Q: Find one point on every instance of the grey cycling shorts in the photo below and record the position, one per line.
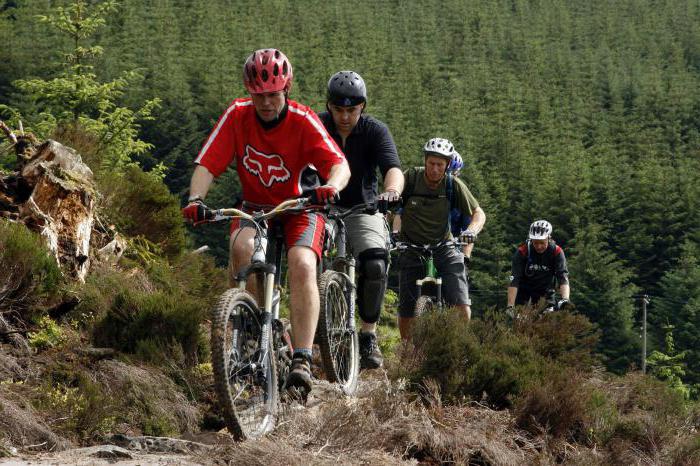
(366, 232)
(449, 263)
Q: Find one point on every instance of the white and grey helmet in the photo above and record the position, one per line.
(540, 229)
(440, 147)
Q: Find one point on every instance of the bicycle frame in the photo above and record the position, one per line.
(347, 262)
(269, 264)
(431, 278)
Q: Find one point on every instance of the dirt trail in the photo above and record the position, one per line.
(195, 449)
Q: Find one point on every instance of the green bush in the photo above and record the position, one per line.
(48, 335)
(139, 204)
(30, 273)
(81, 406)
(477, 359)
(156, 310)
(152, 323)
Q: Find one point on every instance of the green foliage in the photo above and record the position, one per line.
(156, 312)
(48, 334)
(679, 307)
(140, 205)
(30, 272)
(152, 323)
(75, 97)
(669, 366)
(602, 291)
(81, 406)
(584, 113)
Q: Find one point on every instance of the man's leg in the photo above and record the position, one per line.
(241, 246)
(411, 269)
(303, 238)
(449, 263)
(303, 291)
(368, 238)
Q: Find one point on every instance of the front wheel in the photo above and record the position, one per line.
(424, 305)
(245, 376)
(337, 338)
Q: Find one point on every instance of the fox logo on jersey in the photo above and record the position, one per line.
(268, 167)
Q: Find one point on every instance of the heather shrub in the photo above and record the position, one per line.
(569, 338)
(482, 360)
(154, 310)
(559, 406)
(139, 204)
(30, 274)
(158, 324)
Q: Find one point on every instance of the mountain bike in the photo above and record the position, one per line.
(337, 336)
(429, 288)
(251, 348)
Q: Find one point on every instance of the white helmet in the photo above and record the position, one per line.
(540, 229)
(440, 147)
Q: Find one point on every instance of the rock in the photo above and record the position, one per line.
(97, 353)
(159, 444)
(113, 250)
(105, 451)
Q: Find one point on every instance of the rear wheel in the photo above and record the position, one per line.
(337, 338)
(245, 376)
(424, 304)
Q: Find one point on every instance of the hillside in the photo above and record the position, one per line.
(583, 113)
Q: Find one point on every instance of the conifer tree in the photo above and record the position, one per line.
(75, 100)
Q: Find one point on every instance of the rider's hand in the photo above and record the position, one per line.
(467, 236)
(326, 194)
(384, 199)
(390, 196)
(194, 211)
(394, 237)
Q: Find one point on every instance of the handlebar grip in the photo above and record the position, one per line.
(207, 213)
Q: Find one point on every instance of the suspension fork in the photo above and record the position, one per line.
(349, 265)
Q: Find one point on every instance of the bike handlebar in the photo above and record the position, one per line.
(426, 248)
(299, 205)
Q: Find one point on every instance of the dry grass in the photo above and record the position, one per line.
(387, 425)
(22, 427)
(149, 400)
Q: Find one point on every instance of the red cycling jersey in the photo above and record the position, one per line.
(270, 162)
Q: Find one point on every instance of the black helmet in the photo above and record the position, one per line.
(346, 89)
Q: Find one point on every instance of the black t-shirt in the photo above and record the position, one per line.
(536, 272)
(368, 147)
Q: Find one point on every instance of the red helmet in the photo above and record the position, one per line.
(267, 70)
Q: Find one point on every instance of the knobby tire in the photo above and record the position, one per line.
(245, 376)
(337, 341)
(424, 305)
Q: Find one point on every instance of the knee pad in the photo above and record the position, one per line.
(371, 283)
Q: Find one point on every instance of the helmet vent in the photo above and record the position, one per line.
(284, 68)
(264, 75)
(276, 70)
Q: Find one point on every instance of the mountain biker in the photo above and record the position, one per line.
(279, 148)
(368, 146)
(536, 264)
(425, 220)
